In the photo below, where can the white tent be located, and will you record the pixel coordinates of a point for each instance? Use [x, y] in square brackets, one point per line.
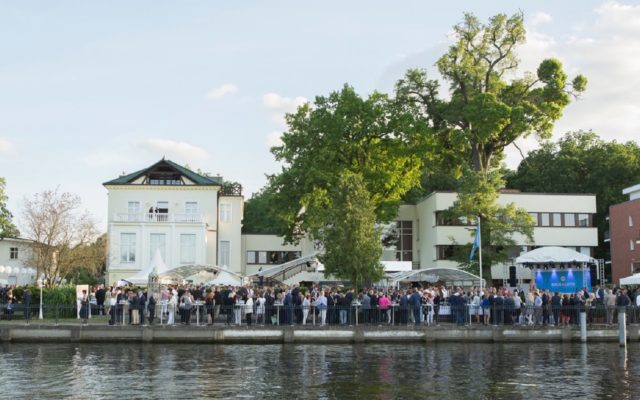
[551, 254]
[631, 280]
[142, 277]
[225, 278]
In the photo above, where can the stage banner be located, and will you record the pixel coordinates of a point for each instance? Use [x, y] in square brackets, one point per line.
[564, 281]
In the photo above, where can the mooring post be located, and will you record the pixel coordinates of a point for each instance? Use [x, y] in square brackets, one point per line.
[622, 326]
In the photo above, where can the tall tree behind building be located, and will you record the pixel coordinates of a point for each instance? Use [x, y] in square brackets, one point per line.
[581, 162]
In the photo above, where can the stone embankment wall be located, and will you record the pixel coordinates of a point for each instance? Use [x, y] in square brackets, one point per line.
[261, 335]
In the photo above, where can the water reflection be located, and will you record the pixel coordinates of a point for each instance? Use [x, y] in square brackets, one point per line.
[475, 371]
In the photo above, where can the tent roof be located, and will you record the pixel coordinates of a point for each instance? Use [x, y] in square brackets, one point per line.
[451, 276]
[186, 271]
[272, 272]
[142, 277]
[226, 278]
[552, 254]
[631, 280]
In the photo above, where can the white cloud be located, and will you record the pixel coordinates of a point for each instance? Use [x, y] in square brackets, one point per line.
[274, 139]
[280, 105]
[619, 18]
[6, 146]
[221, 91]
[171, 149]
[540, 18]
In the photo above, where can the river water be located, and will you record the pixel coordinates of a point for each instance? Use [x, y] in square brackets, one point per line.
[393, 371]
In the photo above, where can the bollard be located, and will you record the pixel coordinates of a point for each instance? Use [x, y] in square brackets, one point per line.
[583, 325]
[622, 326]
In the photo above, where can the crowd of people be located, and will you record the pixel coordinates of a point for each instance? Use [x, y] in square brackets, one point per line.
[420, 305]
[428, 305]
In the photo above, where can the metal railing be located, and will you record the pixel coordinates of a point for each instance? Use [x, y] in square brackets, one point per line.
[158, 218]
[201, 314]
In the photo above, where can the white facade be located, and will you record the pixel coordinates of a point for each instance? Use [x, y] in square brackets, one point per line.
[14, 262]
[180, 217]
[559, 218]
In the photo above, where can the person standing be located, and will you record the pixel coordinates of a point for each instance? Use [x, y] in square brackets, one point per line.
[416, 304]
[556, 304]
[100, 298]
[306, 304]
[84, 307]
[610, 306]
[248, 309]
[142, 306]
[321, 304]
[171, 308]
[26, 301]
[151, 307]
[113, 304]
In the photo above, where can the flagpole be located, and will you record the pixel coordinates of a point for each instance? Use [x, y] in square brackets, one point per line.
[480, 254]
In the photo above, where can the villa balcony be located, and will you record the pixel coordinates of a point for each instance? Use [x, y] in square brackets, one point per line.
[161, 218]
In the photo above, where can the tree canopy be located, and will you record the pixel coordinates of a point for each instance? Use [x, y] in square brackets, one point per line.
[372, 137]
[581, 162]
[486, 112]
[7, 228]
[488, 107]
[62, 234]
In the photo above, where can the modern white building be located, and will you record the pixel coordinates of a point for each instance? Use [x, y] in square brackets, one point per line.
[15, 268]
[427, 238]
[189, 218]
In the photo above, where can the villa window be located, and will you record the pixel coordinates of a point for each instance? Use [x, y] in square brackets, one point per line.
[187, 248]
[127, 247]
[225, 213]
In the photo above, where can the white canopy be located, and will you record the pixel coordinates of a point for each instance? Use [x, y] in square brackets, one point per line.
[226, 278]
[631, 280]
[551, 254]
[142, 277]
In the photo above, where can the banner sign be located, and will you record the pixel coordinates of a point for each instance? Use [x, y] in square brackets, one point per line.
[564, 281]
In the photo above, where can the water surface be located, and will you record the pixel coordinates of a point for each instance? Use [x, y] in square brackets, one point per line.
[412, 371]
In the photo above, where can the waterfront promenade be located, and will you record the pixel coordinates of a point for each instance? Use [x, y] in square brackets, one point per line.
[75, 332]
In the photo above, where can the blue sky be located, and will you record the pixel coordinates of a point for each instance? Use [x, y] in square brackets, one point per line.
[89, 90]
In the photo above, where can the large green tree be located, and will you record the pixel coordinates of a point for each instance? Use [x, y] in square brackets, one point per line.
[260, 214]
[7, 228]
[373, 137]
[350, 236]
[581, 162]
[487, 108]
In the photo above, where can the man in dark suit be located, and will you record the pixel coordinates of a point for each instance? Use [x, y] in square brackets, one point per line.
[26, 302]
[416, 305]
[142, 305]
[100, 297]
[556, 303]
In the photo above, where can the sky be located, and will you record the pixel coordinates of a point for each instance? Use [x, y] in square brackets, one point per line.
[89, 90]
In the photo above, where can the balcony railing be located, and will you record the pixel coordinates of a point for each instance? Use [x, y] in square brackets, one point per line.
[159, 218]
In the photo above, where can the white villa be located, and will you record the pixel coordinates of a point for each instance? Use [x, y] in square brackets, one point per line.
[188, 217]
[193, 219]
[14, 262]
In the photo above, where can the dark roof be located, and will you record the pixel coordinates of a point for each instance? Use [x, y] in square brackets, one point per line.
[196, 178]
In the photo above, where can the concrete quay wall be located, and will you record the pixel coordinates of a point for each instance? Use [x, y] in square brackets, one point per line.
[261, 335]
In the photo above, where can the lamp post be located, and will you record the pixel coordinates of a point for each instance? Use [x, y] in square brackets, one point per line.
[40, 283]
